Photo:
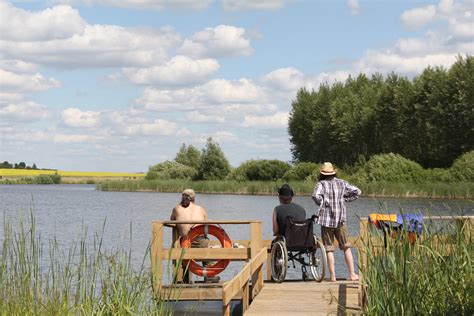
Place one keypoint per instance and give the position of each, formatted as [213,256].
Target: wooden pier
[259,296]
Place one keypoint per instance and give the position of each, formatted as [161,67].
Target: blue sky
[102,85]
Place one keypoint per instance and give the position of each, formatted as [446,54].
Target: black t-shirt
[291,209]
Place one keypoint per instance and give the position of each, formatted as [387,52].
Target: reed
[431,276]
[460,190]
[85,280]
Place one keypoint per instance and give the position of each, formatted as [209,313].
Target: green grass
[85,280]
[428,277]
[459,190]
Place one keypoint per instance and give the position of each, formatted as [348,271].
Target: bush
[261,170]
[170,170]
[214,165]
[301,171]
[438,175]
[391,167]
[463,167]
[48,179]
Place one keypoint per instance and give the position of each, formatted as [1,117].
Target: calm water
[65,211]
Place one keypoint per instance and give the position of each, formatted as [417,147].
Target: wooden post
[245,297]
[226,309]
[269,268]
[364,236]
[177,245]
[156,256]
[255,246]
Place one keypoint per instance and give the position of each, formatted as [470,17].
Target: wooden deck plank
[306,298]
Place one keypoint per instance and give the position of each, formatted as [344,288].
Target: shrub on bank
[463,167]
[260,170]
[392,168]
[170,170]
[301,171]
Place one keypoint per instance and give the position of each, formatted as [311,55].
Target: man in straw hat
[331,195]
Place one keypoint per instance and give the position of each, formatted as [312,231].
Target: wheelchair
[298,245]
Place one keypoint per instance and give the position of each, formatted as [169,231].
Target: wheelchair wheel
[318,261]
[279,261]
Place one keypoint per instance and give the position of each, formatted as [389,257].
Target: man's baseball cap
[189,193]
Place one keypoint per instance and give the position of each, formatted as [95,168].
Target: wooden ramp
[306,298]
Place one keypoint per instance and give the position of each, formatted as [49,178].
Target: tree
[170,170]
[189,156]
[6,165]
[214,165]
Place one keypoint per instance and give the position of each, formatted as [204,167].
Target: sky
[103,85]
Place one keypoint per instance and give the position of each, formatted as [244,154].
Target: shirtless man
[187,210]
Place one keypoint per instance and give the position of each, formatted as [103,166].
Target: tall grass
[85,280]
[432,276]
[460,190]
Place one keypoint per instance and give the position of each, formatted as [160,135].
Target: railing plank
[232,287]
[206,253]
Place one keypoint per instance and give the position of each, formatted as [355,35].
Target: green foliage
[214,165]
[392,168]
[463,167]
[424,277]
[428,119]
[301,171]
[170,170]
[48,179]
[189,156]
[260,170]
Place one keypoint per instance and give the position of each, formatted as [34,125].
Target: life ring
[219,233]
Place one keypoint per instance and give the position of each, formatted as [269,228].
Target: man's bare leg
[350,264]
[332,271]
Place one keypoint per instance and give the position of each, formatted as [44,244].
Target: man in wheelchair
[294,240]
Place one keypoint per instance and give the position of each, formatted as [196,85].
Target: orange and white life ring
[220,234]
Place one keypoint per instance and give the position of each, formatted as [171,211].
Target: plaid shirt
[331,196]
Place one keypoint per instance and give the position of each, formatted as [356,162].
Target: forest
[428,119]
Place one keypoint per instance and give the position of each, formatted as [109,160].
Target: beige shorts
[328,235]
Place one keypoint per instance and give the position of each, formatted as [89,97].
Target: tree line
[20,165]
[428,119]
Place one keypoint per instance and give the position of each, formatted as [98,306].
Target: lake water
[64,211]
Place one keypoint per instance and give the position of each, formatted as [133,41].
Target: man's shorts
[328,235]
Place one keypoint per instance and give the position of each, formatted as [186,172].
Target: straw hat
[327,169]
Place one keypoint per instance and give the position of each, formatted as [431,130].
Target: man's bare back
[187,211]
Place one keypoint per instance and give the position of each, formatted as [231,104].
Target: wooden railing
[249,281]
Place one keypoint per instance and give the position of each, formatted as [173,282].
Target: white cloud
[97,46]
[17,66]
[17,134]
[157,127]
[24,112]
[59,22]
[439,46]
[288,79]
[146,4]
[276,121]
[6,97]
[197,117]
[13,82]
[220,41]
[354,6]
[67,41]
[179,71]
[74,117]
[76,138]
[213,93]
[240,5]
[235,91]
[419,17]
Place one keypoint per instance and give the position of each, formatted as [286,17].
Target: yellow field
[33,173]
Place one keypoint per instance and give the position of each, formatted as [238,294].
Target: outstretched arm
[173,214]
